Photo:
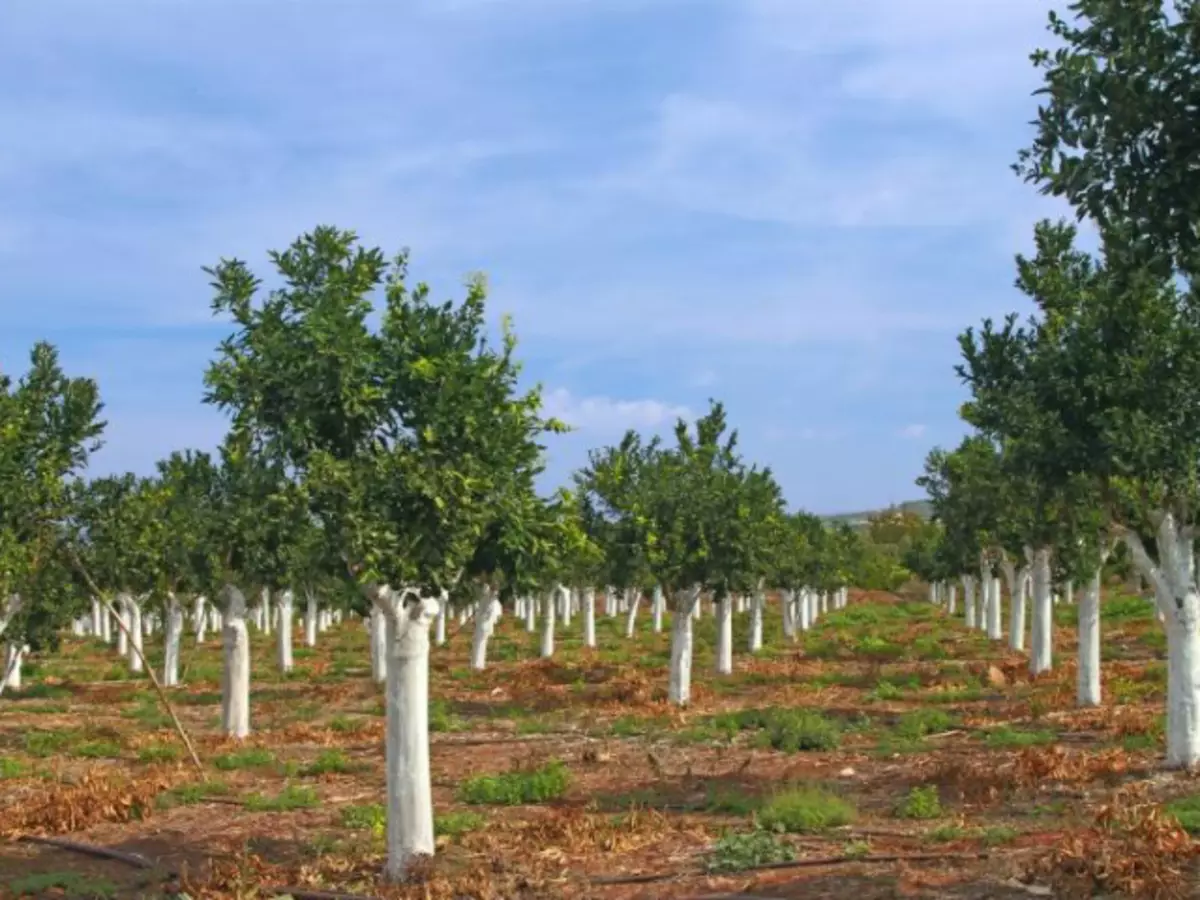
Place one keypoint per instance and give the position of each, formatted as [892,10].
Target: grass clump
[1005,737]
[63,884]
[157,753]
[805,809]
[253,758]
[519,787]
[736,852]
[330,762]
[291,797]
[920,803]
[11,768]
[1186,811]
[373,817]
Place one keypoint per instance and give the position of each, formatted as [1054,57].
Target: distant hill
[920,507]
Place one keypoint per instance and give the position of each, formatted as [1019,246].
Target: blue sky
[791,206]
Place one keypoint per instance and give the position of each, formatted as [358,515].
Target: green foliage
[736,852]
[920,803]
[805,809]
[518,787]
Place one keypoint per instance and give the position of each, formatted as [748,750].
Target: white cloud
[605,415]
[913,431]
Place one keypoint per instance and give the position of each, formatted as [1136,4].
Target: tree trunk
[633,599]
[659,608]
[13,658]
[235,678]
[377,635]
[440,621]
[1041,649]
[787,600]
[805,607]
[311,614]
[123,633]
[136,634]
[172,638]
[995,629]
[487,612]
[1088,687]
[969,608]
[409,786]
[286,606]
[679,691]
[97,627]
[1015,579]
[589,617]
[550,602]
[952,598]
[757,602]
[725,635]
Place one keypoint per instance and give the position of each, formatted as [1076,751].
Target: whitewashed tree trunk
[1088,676]
[824,602]
[589,617]
[995,629]
[564,594]
[311,614]
[788,601]
[235,676]
[377,635]
[660,607]
[548,623]
[409,785]
[286,606]
[1069,591]
[1015,579]
[267,618]
[136,634]
[106,629]
[487,613]
[725,635]
[968,583]
[933,592]
[14,658]
[123,633]
[531,614]
[1041,646]
[97,626]
[172,638]
[814,608]
[200,618]
[757,602]
[633,598]
[805,608]
[440,621]
[952,599]
[679,690]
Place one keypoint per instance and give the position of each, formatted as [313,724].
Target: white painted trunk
[1016,604]
[814,609]
[995,628]
[214,619]
[659,608]
[440,621]
[1069,592]
[136,635]
[200,618]
[97,626]
[757,602]
[679,690]
[589,617]
[487,613]
[311,614]
[550,602]
[235,677]
[725,635]
[633,599]
[969,610]
[1088,684]
[933,592]
[172,638]
[565,594]
[824,602]
[283,640]
[268,618]
[409,785]
[952,599]
[377,635]
[1041,645]
[788,602]
[106,629]
[14,658]
[123,633]
[531,614]
[805,608]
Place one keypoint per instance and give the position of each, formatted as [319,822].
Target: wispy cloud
[792,204]
[913,431]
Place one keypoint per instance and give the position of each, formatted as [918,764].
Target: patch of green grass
[920,803]
[921,723]
[373,817]
[11,768]
[157,753]
[787,730]
[71,884]
[98,749]
[1006,737]
[1186,811]
[736,852]
[330,762]
[44,709]
[347,724]
[456,824]
[190,794]
[293,796]
[947,832]
[251,758]
[805,809]
[995,835]
[48,743]
[519,787]
[441,718]
[43,691]
[148,713]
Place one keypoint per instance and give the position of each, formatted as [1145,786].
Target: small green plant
[920,803]
[71,885]
[189,794]
[373,817]
[330,762]
[157,753]
[251,758]
[1006,737]
[11,768]
[291,797]
[519,787]
[1186,811]
[805,809]
[736,852]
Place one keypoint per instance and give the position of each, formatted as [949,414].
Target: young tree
[400,437]
[49,425]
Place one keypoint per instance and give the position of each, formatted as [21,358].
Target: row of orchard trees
[389,470]
[1087,416]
